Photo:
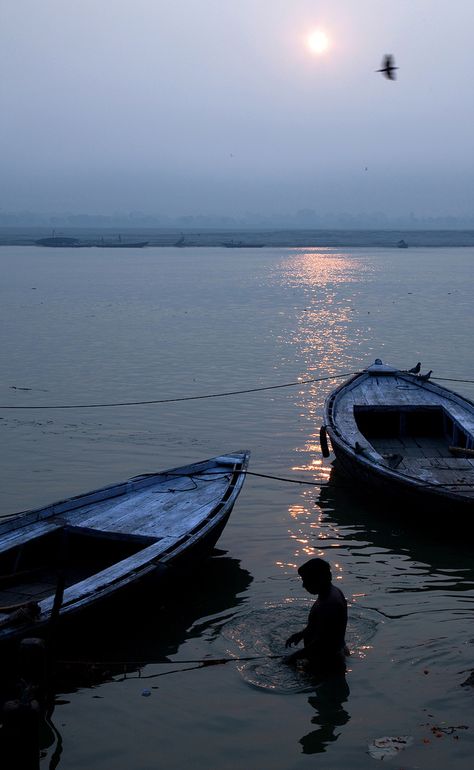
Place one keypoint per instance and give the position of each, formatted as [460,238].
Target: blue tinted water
[99,325]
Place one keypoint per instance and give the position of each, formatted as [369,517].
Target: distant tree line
[302,219]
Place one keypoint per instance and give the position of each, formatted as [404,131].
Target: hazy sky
[219,106]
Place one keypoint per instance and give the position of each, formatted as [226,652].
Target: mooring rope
[139,664]
[206,395]
[183,398]
[282,478]
[198,661]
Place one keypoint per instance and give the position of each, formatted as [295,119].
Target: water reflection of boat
[154,630]
[406,437]
[401,532]
[157,625]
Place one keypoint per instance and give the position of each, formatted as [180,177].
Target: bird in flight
[388,67]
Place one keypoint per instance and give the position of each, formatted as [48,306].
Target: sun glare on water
[318,41]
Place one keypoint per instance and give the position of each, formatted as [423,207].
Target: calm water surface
[98,325]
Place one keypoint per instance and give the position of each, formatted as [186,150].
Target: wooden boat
[407,437]
[58,560]
[58,241]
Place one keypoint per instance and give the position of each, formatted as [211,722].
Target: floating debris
[388,747]
[443,729]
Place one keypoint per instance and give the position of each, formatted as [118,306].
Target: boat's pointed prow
[378,367]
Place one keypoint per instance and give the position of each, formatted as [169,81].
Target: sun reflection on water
[322,332]
[323,339]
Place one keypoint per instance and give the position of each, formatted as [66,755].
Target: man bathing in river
[323,637]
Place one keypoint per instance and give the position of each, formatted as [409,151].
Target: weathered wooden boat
[58,560]
[407,437]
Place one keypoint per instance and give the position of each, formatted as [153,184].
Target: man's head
[316,575]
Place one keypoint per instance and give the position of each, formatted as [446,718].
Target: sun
[318,41]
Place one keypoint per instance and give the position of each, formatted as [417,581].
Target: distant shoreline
[242,238]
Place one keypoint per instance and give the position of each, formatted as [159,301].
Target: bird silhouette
[415,369]
[426,376]
[388,67]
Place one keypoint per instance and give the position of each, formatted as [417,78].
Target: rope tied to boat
[184,398]
[223,394]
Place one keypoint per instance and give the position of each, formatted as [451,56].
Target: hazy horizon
[215,109]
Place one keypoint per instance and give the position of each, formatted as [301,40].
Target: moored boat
[121,244]
[405,436]
[58,560]
[58,241]
[242,245]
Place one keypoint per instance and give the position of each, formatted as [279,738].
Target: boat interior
[30,570]
[427,431]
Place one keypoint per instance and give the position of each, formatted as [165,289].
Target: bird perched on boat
[425,376]
[388,67]
[415,369]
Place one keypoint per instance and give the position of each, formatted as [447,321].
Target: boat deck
[173,506]
[167,507]
[429,460]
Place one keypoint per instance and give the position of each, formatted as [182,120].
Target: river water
[100,326]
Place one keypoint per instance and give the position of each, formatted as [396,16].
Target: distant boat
[59,560]
[114,245]
[402,244]
[58,240]
[120,244]
[241,245]
[182,242]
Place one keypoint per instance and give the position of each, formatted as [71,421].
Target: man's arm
[306,652]
[295,638]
